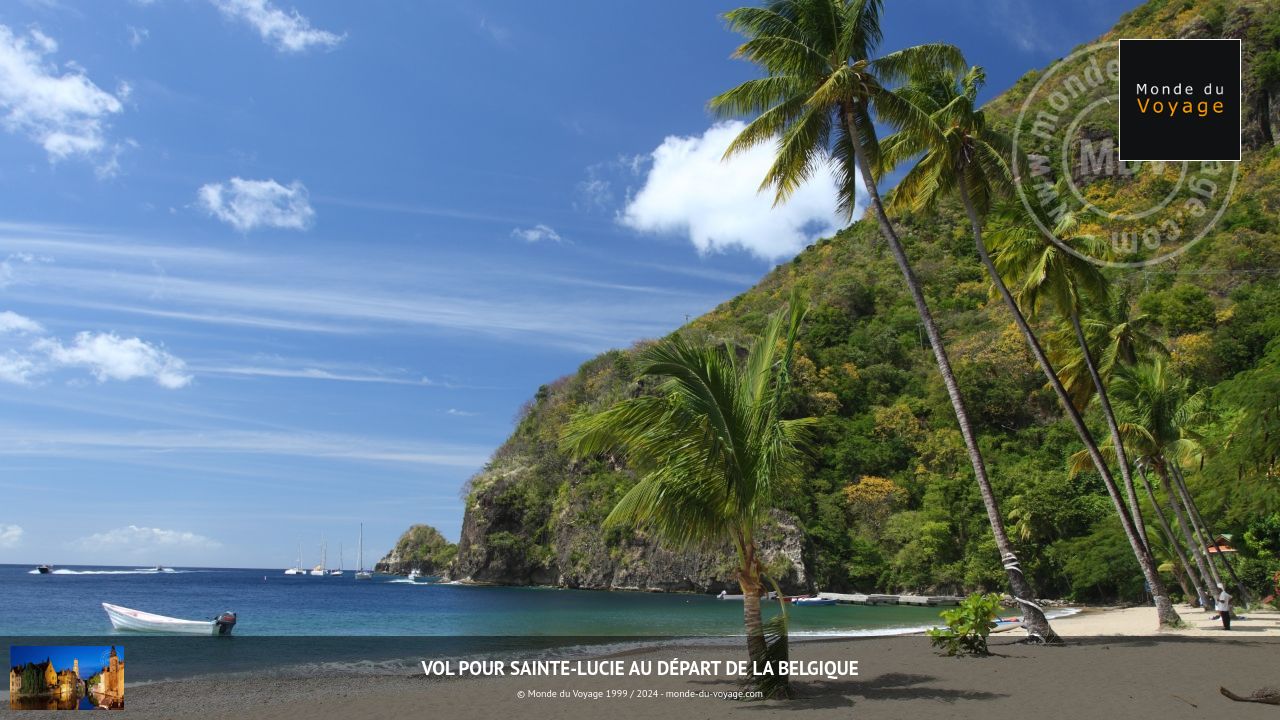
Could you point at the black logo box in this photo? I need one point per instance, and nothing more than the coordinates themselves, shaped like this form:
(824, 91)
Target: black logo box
(1180, 63)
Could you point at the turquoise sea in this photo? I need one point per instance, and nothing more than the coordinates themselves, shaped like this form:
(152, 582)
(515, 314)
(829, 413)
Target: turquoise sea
(376, 625)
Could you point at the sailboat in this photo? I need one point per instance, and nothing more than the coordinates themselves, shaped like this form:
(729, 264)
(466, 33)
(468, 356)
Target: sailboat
(361, 573)
(297, 569)
(339, 570)
(324, 552)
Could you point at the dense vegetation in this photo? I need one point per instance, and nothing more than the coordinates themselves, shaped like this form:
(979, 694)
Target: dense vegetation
(888, 501)
(420, 548)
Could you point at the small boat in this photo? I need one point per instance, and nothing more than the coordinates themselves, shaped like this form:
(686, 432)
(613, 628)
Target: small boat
(339, 570)
(813, 601)
(361, 573)
(414, 576)
(319, 569)
(159, 569)
(297, 569)
(44, 569)
(123, 618)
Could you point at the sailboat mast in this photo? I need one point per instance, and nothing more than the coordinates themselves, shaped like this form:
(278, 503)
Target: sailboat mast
(361, 546)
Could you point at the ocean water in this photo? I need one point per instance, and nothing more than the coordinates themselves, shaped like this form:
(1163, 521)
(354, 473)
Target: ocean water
(267, 602)
(290, 626)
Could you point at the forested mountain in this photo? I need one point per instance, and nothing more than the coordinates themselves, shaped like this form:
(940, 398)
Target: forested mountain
(888, 501)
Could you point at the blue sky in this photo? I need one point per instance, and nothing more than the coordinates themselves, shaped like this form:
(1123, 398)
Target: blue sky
(92, 657)
(269, 269)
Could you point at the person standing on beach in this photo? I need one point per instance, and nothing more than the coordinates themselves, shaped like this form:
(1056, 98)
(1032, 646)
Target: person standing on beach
(1223, 606)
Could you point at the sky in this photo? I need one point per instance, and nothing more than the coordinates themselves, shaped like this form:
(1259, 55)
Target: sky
(93, 658)
(272, 268)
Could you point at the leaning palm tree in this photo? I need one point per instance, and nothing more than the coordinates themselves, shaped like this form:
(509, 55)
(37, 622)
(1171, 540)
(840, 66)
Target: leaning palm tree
(711, 450)
(1044, 273)
(1162, 415)
(960, 154)
(822, 85)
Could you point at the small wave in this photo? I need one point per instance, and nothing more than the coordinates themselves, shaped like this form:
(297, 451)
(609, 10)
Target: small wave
(137, 571)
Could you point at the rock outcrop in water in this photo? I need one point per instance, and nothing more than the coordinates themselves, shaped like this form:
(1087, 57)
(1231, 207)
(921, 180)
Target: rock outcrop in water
(420, 548)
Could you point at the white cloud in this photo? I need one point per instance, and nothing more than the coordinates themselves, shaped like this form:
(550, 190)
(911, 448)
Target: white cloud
(12, 322)
(691, 190)
(287, 31)
(137, 35)
(142, 540)
(110, 357)
(10, 536)
(59, 108)
(17, 369)
(537, 233)
(460, 413)
(248, 204)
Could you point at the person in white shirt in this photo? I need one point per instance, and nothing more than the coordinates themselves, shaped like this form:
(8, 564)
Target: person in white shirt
(1223, 606)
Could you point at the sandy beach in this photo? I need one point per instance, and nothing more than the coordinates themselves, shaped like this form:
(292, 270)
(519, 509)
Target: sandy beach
(1112, 665)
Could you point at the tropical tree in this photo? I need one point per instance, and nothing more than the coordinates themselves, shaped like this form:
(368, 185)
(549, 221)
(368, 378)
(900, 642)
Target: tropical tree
(1045, 273)
(823, 82)
(960, 154)
(711, 451)
(1163, 419)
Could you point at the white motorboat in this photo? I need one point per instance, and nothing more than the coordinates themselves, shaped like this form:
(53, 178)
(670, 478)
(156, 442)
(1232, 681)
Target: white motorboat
(123, 618)
(361, 573)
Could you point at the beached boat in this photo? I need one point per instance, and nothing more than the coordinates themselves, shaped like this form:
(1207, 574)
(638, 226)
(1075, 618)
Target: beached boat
(44, 569)
(123, 618)
(813, 601)
(361, 573)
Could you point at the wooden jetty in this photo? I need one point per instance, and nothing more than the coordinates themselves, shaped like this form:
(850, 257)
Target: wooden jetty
(920, 600)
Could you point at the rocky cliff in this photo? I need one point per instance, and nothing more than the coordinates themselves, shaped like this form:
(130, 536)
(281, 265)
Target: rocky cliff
(420, 548)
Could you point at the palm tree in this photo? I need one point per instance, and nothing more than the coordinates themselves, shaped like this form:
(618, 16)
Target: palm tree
(959, 153)
(1046, 273)
(821, 85)
(1174, 546)
(711, 450)
(1166, 416)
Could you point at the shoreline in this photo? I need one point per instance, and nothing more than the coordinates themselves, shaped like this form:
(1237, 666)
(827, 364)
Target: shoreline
(1116, 664)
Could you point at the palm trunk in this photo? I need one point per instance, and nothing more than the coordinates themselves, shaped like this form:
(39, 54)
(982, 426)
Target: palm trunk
(1201, 597)
(1168, 617)
(1207, 533)
(752, 587)
(1188, 505)
(1175, 504)
(1033, 619)
(1131, 494)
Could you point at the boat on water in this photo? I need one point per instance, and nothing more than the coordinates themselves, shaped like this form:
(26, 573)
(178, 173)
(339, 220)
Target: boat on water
(123, 618)
(339, 570)
(159, 568)
(44, 569)
(414, 576)
(319, 569)
(361, 573)
(813, 601)
(297, 569)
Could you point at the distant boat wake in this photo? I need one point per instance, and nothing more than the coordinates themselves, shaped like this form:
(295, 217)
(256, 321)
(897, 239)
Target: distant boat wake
(139, 571)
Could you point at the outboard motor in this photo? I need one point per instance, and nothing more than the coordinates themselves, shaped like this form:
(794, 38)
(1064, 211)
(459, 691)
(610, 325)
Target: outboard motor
(225, 622)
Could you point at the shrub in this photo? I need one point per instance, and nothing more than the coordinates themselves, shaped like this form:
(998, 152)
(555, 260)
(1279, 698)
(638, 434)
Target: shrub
(967, 625)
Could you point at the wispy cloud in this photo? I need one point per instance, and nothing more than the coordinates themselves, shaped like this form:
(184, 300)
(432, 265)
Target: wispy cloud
(249, 204)
(61, 109)
(287, 31)
(137, 541)
(10, 536)
(537, 233)
(12, 322)
(30, 441)
(311, 373)
(137, 35)
(691, 190)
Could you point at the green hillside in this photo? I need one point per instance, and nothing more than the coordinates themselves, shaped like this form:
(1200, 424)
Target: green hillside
(888, 502)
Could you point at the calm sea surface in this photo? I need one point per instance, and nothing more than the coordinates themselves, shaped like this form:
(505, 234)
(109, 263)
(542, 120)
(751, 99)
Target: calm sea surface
(336, 625)
(267, 602)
